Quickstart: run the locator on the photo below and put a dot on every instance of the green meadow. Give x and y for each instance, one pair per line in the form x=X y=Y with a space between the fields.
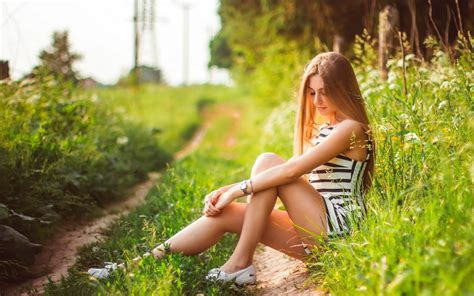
x=174 y=114
x=417 y=238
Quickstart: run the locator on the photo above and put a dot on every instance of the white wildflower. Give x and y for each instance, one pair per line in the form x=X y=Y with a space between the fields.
x=95 y=98
x=367 y=93
x=422 y=70
x=409 y=57
x=392 y=77
x=400 y=63
x=442 y=104
x=33 y=99
x=391 y=62
x=445 y=85
x=382 y=127
x=403 y=116
x=122 y=140
x=120 y=110
x=411 y=137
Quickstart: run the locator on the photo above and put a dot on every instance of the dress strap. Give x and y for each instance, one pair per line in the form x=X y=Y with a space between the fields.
x=369 y=148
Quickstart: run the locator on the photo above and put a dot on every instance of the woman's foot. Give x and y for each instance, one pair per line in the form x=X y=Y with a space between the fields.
x=234 y=265
x=243 y=276
x=102 y=273
x=159 y=251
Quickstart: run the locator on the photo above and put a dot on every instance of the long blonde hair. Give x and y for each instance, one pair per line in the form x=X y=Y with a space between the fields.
x=342 y=88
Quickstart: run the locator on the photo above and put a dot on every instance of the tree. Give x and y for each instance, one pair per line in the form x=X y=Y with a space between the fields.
x=249 y=27
x=58 y=60
x=221 y=54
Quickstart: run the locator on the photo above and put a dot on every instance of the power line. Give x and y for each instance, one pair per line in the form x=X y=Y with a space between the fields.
x=186 y=8
x=145 y=41
x=148 y=35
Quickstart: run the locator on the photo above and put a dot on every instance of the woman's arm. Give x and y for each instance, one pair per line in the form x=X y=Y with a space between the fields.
x=339 y=141
x=211 y=199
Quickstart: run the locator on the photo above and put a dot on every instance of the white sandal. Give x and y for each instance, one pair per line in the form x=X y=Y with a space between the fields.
x=102 y=273
x=244 y=276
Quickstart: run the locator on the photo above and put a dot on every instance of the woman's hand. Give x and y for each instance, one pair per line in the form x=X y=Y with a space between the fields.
x=228 y=197
x=218 y=199
x=210 y=201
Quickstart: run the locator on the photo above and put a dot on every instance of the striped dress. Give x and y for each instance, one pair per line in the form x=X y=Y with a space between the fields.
x=339 y=181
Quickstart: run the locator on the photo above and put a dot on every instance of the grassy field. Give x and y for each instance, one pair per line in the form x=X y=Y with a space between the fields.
x=417 y=238
x=174 y=203
x=173 y=113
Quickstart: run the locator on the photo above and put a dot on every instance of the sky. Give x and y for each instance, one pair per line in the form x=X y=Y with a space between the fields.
x=102 y=32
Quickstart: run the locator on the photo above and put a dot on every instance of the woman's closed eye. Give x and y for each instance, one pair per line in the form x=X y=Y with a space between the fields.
x=312 y=93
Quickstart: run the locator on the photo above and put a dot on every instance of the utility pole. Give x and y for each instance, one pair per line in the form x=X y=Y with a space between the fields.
x=185 y=43
x=185 y=7
x=148 y=48
x=145 y=45
x=209 y=37
x=136 y=43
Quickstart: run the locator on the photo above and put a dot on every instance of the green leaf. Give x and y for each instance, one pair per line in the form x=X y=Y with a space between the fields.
x=4 y=211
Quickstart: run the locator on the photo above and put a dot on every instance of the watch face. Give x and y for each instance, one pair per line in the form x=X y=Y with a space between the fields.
x=243 y=186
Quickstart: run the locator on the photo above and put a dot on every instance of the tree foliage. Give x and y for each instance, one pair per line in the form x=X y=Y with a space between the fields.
x=249 y=27
x=58 y=60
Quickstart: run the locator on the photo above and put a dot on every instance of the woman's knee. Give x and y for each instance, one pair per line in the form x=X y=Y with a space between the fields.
x=265 y=161
x=231 y=218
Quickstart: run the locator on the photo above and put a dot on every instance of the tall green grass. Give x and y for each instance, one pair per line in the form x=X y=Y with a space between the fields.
x=417 y=238
x=175 y=202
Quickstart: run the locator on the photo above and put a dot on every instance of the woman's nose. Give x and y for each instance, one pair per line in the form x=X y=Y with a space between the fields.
x=317 y=99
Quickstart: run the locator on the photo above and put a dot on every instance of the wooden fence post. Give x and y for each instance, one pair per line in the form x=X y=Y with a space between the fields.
x=4 y=70
x=338 y=43
x=388 y=27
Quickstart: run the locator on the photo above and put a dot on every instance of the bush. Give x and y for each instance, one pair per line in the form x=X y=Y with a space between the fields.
x=62 y=153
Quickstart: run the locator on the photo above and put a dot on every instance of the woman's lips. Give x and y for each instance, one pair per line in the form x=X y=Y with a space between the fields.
x=321 y=108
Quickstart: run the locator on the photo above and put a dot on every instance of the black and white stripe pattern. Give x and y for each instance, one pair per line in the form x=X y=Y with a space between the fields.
x=339 y=181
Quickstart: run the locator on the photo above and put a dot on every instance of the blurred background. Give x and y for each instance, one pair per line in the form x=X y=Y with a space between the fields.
x=198 y=41
x=103 y=33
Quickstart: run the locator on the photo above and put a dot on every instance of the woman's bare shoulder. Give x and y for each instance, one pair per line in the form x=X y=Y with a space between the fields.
x=354 y=127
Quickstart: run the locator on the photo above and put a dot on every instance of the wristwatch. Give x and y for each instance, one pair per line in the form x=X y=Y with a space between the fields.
x=243 y=186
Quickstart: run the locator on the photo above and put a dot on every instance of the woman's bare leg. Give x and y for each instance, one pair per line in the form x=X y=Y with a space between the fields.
x=256 y=218
x=303 y=204
x=276 y=229
x=205 y=232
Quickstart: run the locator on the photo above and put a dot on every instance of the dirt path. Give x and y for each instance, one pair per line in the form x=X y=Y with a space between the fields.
x=231 y=139
x=60 y=252
x=278 y=274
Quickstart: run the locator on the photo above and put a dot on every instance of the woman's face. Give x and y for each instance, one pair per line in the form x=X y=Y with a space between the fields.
x=321 y=100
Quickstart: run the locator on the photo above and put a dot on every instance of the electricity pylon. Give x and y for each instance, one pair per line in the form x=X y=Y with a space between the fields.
x=145 y=43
